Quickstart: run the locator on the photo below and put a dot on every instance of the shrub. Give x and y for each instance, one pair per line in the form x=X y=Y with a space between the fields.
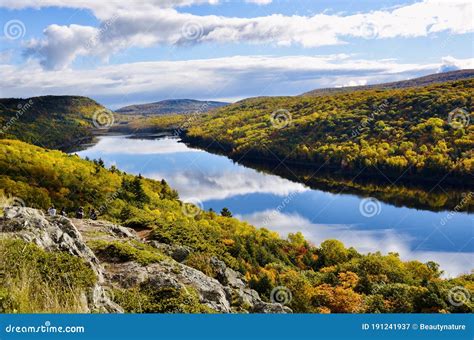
x=118 y=251
x=148 y=299
x=34 y=280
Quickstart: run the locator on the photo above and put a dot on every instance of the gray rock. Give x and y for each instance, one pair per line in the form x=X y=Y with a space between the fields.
x=270 y=308
x=111 y=230
x=52 y=233
x=57 y=234
x=122 y=231
x=238 y=292
x=100 y=301
x=177 y=253
x=228 y=293
x=170 y=274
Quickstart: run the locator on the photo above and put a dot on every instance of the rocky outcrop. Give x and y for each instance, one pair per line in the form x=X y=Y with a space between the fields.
x=172 y=274
x=58 y=234
x=178 y=253
x=52 y=234
x=228 y=292
x=237 y=293
x=237 y=290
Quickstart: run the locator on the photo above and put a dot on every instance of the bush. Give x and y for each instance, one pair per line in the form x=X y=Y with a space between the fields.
x=117 y=251
x=148 y=299
x=35 y=281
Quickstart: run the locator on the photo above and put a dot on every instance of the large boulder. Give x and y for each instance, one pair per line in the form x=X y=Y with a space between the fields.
x=177 y=253
x=237 y=290
x=49 y=233
x=270 y=308
x=170 y=274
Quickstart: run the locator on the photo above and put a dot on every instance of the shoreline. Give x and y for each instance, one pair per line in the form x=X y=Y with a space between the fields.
x=452 y=182
x=409 y=194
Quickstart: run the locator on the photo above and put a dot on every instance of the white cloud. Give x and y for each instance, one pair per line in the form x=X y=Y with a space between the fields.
x=239 y=76
x=209 y=185
x=107 y=9
x=62 y=45
x=6 y=56
x=199 y=178
x=259 y=2
x=359 y=82
x=451 y=64
x=103 y=8
x=123 y=145
x=150 y=24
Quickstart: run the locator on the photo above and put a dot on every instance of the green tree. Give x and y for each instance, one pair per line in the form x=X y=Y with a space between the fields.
x=332 y=252
x=226 y=212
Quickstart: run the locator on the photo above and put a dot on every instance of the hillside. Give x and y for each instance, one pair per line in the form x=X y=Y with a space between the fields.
x=97 y=266
x=415 y=82
x=58 y=122
x=421 y=133
x=170 y=106
x=162 y=255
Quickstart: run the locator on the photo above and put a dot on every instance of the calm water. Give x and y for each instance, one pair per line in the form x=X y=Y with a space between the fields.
x=276 y=203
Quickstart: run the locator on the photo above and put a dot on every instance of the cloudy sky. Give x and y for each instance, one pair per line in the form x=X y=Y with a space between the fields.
x=125 y=52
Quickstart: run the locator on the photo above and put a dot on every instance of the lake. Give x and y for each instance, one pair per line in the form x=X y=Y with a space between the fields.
x=270 y=201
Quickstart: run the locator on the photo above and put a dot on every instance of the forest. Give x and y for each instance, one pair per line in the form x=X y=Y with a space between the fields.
x=421 y=133
x=324 y=278
x=56 y=122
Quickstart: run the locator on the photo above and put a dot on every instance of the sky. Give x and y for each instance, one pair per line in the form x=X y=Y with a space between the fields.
x=128 y=52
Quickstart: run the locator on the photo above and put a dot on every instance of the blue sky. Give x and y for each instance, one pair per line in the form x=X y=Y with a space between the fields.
x=120 y=52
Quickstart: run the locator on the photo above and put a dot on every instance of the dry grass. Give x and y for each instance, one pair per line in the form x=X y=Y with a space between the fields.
x=35 y=281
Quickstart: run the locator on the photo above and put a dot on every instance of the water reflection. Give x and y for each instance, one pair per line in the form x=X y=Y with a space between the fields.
x=364 y=240
x=287 y=206
x=133 y=146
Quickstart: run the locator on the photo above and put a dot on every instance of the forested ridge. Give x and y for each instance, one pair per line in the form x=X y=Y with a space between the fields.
x=321 y=278
x=423 y=132
x=58 y=122
x=414 y=82
x=171 y=106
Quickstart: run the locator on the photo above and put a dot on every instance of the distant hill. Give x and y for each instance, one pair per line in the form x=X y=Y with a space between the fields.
x=415 y=82
x=57 y=122
x=169 y=106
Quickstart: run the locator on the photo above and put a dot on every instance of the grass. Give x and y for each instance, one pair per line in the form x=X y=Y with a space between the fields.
x=123 y=251
x=148 y=299
x=33 y=280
